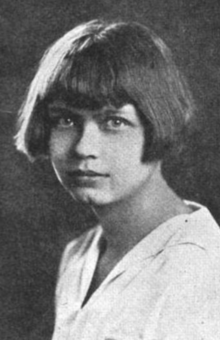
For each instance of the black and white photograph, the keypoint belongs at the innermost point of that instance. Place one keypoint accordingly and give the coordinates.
(110, 170)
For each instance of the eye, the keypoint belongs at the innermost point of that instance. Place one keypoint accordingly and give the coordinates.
(62, 118)
(116, 122)
(65, 122)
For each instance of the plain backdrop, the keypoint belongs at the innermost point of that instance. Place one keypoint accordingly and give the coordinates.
(37, 218)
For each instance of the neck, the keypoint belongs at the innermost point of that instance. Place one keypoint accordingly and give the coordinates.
(126, 222)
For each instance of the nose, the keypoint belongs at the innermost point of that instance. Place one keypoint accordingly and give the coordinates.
(89, 142)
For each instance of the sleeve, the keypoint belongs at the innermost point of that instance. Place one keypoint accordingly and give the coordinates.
(190, 307)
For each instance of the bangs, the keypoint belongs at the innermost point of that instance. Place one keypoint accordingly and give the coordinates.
(93, 78)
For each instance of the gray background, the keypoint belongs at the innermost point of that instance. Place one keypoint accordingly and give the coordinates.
(37, 218)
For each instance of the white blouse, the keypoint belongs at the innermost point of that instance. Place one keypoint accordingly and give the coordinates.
(166, 288)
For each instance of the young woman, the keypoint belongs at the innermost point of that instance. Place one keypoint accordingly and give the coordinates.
(105, 106)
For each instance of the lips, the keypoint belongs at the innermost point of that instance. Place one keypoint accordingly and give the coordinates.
(85, 179)
(85, 173)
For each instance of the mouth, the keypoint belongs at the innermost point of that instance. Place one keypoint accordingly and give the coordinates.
(85, 174)
(85, 179)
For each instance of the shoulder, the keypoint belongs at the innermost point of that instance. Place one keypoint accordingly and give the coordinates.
(197, 236)
(187, 262)
(191, 274)
(192, 251)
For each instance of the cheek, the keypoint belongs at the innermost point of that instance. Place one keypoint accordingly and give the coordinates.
(59, 146)
(125, 154)
(132, 148)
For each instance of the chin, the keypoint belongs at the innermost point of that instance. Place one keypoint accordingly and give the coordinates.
(90, 197)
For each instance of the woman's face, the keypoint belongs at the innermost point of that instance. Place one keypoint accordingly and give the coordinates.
(97, 154)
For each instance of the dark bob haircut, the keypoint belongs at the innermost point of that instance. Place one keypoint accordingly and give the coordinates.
(97, 64)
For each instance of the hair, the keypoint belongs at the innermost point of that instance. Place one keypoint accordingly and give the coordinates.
(97, 64)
